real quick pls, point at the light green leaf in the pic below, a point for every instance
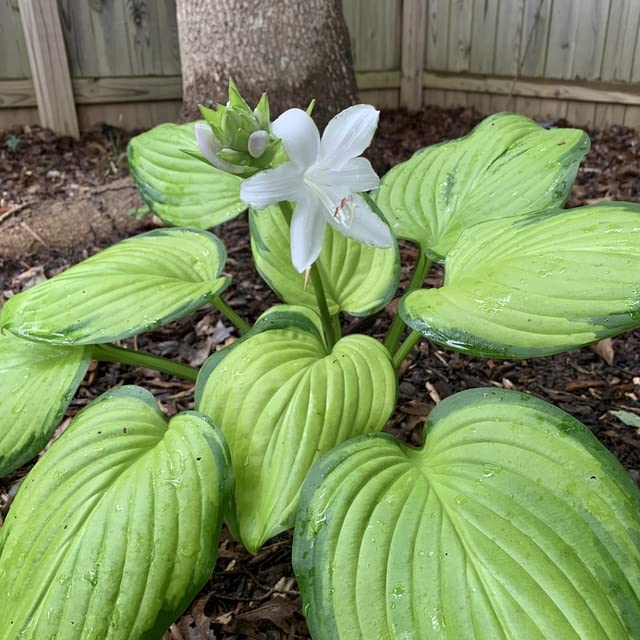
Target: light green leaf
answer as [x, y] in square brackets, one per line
[358, 279]
[131, 287]
[507, 165]
[626, 417]
[536, 284]
[282, 399]
[512, 521]
[116, 528]
[37, 382]
[177, 183]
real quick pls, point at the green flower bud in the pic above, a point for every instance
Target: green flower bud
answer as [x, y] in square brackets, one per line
[242, 137]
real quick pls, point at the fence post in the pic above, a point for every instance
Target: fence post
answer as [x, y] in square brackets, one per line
[49, 65]
[414, 25]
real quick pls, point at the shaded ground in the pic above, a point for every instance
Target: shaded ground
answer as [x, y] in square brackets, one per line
[256, 597]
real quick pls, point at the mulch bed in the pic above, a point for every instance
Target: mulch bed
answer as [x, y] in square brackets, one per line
[256, 596]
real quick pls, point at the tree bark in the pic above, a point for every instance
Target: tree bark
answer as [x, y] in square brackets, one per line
[295, 50]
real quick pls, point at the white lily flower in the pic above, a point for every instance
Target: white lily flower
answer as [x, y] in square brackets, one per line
[322, 178]
[209, 146]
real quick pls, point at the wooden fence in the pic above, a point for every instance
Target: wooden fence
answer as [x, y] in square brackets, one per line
[84, 61]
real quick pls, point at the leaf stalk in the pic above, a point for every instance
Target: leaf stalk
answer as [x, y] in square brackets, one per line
[113, 353]
[423, 264]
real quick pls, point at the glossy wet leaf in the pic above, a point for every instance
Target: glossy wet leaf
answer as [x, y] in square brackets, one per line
[512, 521]
[177, 183]
[358, 279]
[115, 529]
[282, 399]
[506, 166]
[131, 287]
[536, 284]
[37, 382]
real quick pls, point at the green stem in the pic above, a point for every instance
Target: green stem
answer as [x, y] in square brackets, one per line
[405, 348]
[325, 316]
[337, 329]
[417, 279]
[112, 353]
[241, 325]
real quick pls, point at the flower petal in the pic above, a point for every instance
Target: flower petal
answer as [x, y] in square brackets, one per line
[285, 182]
[347, 135]
[299, 135]
[356, 175]
[307, 232]
[209, 145]
[364, 225]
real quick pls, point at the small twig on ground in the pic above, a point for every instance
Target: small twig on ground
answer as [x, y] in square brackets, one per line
[27, 228]
[13, 210]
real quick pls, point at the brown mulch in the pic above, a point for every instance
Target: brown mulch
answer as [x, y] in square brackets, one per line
[36, 164]
[256, 596]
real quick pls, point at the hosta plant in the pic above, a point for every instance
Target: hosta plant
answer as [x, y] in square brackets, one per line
[511, 521]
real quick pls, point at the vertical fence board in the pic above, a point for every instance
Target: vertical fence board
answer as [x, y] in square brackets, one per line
[617, 62]
[481, 102]
[533, 51]
[49, 65]
[509, 37]
[13, 50]
[436, 58]
[588, 53]
[562, 38]
[459, 37]
[434, 97]
[483, 35]
[414, 20]
[535, 36]
[121, 38]
[375, 29]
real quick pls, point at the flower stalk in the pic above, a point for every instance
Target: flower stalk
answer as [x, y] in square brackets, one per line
[325, 316]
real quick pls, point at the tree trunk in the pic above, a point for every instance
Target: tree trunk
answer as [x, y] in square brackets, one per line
[295, 50]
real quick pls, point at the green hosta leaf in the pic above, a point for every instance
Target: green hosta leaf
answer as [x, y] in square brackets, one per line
[282, 399]
[131, 287]
[177, 183]
[507, 165]
[536, 284]
[512, 521]
[116, 528]
[358, 279]
[37, 382]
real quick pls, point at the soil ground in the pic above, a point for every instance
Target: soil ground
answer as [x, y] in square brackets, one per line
[46, 183]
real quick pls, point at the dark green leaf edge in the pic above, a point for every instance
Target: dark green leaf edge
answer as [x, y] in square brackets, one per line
[570, 426]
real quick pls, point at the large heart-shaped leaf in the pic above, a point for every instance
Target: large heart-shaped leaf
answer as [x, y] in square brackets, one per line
[116, 528]
[282, 399]
[37, 382]
[177, 183]
[536, 284]
[131, 287]
[507, 165]
[357, 278]
[512, 521]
